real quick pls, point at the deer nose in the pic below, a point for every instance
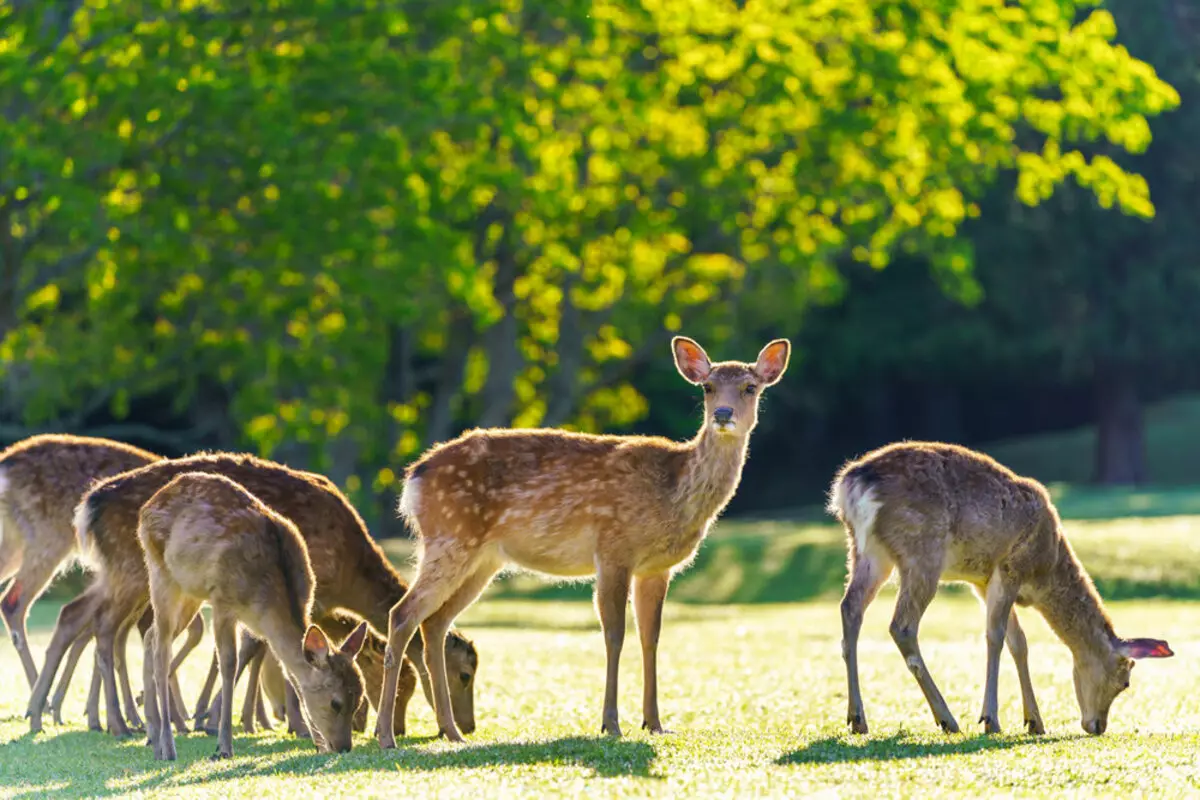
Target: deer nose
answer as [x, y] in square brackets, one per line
[723, 415]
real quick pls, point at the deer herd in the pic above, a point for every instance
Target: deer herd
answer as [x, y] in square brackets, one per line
[306, 605]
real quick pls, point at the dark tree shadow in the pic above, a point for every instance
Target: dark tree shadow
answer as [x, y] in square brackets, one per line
[137, 770]
[900, 746]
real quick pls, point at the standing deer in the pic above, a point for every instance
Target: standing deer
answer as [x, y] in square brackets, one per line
[41, 480]
[351, 570]
[942, 512]
[208, 539]
[627, 509]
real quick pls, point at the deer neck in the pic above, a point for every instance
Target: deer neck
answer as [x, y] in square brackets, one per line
[1071, 607]
[286, 638]
[372, 591]
[711, 472]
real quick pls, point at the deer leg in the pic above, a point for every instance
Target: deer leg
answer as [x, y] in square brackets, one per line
[195, 632]
[867, 574]
[36, 570]
[359, 723]
[250, 705]
[434, 631]
[177, 614]
[202, 709]
[649, 594]
[120, 613]
[408, 687]
[93, 699]
[264, 719]
[225, 633]
[73, 619]
[120, 649]
[444, 567]
[612, 596]
[1000, 597]
[60, 691]
[150, 690]
[295, 714]
[1015, 637]
[916, 592]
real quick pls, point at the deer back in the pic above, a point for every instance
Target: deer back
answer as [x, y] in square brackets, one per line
[42, 477]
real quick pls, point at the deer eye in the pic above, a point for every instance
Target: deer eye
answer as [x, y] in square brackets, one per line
[465, 676]
[708, 388]
[336, 705]
[750, 388]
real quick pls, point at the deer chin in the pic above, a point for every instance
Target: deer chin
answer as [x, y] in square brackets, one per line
[725, 428]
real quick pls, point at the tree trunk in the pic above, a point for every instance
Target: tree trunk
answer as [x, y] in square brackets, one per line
[1121, 436]
[440, 417]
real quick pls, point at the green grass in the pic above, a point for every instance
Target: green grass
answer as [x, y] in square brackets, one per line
[747, 561]
[753, 687]
[756, 697]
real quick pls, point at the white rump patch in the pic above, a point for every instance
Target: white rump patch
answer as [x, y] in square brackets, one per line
[856, 505]
[83, 523]
[410, 498]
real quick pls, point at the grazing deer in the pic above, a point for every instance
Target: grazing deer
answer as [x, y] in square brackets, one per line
[208, 539]
[941, 512]
[41, 479]
[627, 509]
[352, 571]
[338, 624]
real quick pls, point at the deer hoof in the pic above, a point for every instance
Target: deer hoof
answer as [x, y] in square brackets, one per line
[857, 723]
[613, 729]
[1035, 727]
[451, 735]
[948, 725]
[220, 755]
[990, 724]
[655, 727]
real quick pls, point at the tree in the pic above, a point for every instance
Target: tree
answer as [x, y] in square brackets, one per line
[354, 230]
[1106, 298]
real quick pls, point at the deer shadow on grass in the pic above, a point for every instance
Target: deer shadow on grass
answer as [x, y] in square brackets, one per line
[114, 768]
[900, 746]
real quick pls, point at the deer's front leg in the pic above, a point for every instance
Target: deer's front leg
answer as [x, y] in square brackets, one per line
[612, 595]
[649, 593]
[1020, 653]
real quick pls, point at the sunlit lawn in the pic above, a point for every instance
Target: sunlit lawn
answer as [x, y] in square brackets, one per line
[755, 694]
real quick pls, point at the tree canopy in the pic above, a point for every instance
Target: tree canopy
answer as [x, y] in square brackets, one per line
[354, 229]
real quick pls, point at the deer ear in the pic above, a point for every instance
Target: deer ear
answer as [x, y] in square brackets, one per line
[316, 645]
[691, 360]
[354, 641]
[773, 360]
[1145, 648]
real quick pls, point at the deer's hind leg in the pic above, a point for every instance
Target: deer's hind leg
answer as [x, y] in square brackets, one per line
[917, 588]
[868, 572]
[195, 632]
[38, 559]
[120, 651]
[60, 691]
[74, 619]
